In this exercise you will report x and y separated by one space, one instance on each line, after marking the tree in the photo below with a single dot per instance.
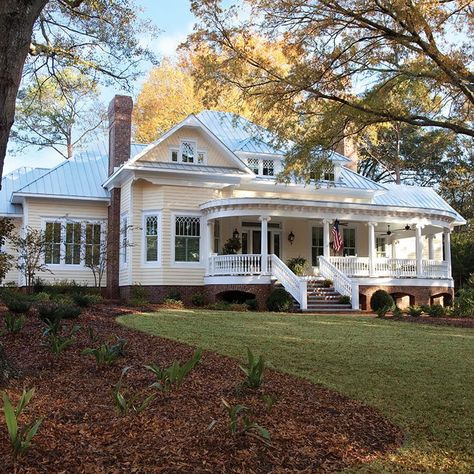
30 247
346 57
99 38
58 113
6 229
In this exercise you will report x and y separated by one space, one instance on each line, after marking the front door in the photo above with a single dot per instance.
274 244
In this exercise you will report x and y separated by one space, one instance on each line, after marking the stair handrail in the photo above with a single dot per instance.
341 282
296 286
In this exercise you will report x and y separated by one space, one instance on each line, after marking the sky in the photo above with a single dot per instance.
174 20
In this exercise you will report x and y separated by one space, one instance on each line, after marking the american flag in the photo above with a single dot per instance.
338 243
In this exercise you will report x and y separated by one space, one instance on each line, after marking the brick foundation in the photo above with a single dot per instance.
157 293
417 294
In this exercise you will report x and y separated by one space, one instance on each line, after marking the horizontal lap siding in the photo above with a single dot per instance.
168 199
38 209
125 195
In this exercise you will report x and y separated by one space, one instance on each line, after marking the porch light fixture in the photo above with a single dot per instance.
407 227
291 238
389 232
235 234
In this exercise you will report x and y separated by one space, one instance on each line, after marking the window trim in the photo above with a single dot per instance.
62 265
158 214
174 263
62 241
73 243
355 240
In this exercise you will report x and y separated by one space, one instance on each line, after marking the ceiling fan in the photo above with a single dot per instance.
390 231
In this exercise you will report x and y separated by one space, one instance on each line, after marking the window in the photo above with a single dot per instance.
187 238
317 247
268 168
92 244
328 176
52 253
349 242
217 235
201 157
72 255
151 238
253 164
381 247
124 241
188 152
174 155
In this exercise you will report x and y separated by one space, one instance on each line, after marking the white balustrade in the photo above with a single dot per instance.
435 269
296 286
341 282
239 264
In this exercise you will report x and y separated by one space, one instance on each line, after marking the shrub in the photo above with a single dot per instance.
107 353
464 303
425 308
397 312
237 307
437 311
85 300
14 323
47 311
297 265
381 302
252 304
198 299
174 295
280 300
327 283
173 376
18 305
344 299
68 312
138 295
173 304
20 438
220 305
253 370
414 311
42 296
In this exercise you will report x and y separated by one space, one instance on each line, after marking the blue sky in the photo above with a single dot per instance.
175 21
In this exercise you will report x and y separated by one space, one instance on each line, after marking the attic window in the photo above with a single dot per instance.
262 167
201 157
188 152
268 168
253 164
329 176
174 155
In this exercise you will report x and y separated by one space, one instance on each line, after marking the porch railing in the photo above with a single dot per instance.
341 282
239 264
390 267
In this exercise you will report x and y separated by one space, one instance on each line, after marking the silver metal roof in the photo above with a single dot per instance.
351 179
13 181
185 167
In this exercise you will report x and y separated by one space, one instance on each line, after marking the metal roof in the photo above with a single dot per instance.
188 167
351 179
415 196
13 181
80 176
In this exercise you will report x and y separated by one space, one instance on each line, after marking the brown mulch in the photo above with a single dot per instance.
313 429
455 322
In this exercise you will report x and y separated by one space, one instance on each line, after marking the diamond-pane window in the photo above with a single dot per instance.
268 168
253 164
151 237
187 238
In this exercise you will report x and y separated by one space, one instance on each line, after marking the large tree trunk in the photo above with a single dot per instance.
17 18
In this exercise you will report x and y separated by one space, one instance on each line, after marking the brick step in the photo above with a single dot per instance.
323 298
329 307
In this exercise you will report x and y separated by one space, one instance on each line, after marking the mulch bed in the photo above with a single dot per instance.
313 429
455 322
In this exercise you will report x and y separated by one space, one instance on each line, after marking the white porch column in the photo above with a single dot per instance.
431 247
394 247
419 251
264 243
326 239
447 250
372 250
208 244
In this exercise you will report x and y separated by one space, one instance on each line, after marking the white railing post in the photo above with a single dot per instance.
372 250
208 244
355 295
326 238
303 294
419 252
447 251
264 243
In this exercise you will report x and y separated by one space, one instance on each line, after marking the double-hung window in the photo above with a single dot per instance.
151 224
52 254
72 254
92 244
187 238
349 242
381 247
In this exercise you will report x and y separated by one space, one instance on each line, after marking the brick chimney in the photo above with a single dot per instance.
348 148
120 135
120 130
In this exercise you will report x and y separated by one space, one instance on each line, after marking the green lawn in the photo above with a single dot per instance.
420 376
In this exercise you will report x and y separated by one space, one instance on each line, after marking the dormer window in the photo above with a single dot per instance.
262 167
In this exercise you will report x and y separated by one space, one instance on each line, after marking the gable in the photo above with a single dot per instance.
214 156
